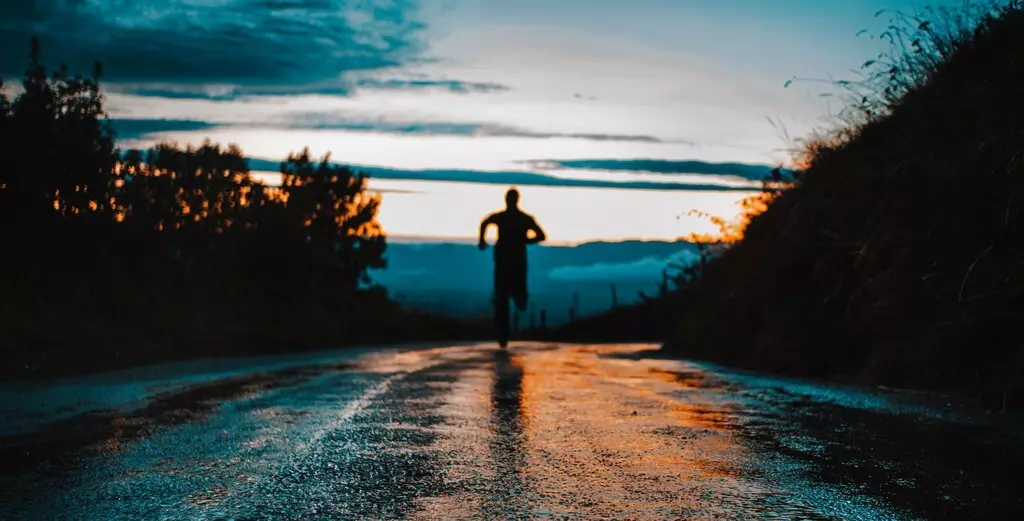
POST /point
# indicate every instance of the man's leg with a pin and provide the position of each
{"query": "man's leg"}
(501, 296)
(519, 297)
(518, 286)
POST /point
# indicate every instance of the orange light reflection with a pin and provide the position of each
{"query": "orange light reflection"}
(629, 428)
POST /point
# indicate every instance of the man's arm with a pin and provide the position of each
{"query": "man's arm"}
(489, 220)
(538, 233)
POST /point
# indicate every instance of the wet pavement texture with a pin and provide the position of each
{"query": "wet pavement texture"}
(472, 432)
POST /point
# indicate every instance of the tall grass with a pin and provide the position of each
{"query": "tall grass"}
(895, 257)
(920, 45)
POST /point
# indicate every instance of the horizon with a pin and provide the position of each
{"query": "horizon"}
(575, 95)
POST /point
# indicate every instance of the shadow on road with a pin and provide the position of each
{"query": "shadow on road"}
(507, 451)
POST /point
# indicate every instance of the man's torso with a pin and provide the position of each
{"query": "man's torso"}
(513, 226)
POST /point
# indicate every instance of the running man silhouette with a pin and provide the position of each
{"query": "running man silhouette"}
(514, 227)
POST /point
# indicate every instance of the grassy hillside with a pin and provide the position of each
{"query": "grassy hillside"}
(898, 257)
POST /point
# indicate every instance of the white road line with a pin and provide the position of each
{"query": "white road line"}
(355, 407)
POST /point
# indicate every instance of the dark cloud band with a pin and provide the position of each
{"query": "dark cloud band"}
(340, 87)
(249, 42)
(328, 121)
(140, 128)
(133, 128)
(513, 178)
(456, 86)
(658, 166)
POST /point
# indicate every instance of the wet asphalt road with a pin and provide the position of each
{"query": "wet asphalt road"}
(470, 432)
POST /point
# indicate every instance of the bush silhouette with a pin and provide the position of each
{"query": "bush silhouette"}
(117, 257)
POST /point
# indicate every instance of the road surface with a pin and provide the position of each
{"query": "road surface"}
(470, 432)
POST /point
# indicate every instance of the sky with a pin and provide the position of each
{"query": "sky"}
(452, 97)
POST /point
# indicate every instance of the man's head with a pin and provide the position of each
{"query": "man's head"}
(512, 198)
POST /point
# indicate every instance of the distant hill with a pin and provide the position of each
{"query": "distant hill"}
(457, 278)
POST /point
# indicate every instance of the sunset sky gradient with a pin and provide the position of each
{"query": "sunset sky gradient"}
(479, 86)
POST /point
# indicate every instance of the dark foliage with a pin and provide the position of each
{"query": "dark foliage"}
(113, 258)
(897, 256)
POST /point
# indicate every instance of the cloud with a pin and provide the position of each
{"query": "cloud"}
(456, 86)
(139, 128)
(318, 120)
(394, 191)
(227, 49)
(328, 121)
(642, 270)
(339, 87)
(227, 92)
(245, 42)
(178, 92)
(516, 132)
(509, 178)
(657, 166)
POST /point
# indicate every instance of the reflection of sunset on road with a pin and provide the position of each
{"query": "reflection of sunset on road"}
(624, 429)
(584, 432)
(539, 431)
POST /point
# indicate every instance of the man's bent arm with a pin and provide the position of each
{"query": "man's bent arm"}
(483, 228)
(538, 233)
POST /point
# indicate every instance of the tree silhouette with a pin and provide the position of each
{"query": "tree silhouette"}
(337, 216)
(175, 240)
(56, 113)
